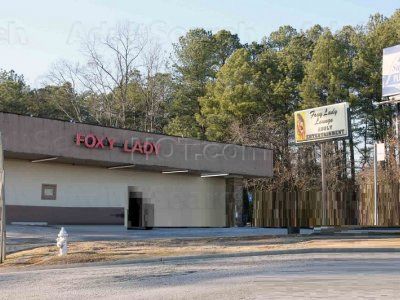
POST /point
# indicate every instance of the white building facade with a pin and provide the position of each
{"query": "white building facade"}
(70, 173)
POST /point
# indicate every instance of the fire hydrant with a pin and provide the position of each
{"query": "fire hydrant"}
(62, 242)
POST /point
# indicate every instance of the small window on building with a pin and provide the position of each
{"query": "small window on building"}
(49, 191)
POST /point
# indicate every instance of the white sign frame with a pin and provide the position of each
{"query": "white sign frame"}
(322, 123)
(391, 71)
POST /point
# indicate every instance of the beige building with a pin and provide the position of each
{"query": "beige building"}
(60, 172)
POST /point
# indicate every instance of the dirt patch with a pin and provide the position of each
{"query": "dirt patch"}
(84, 252)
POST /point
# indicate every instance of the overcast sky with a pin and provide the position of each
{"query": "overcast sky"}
(35, 34)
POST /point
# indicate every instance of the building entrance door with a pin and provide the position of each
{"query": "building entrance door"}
(139, 214)
(135, 209)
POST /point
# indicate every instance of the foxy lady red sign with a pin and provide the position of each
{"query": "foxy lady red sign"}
(92, 141)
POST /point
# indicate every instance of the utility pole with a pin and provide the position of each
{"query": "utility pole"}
(2, 207)
(392, 100)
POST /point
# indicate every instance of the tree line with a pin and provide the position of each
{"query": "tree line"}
(215, 87)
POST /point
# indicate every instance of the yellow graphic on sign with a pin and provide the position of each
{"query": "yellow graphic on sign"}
(300, 126)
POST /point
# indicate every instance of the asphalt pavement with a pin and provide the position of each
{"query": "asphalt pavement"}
(299, 276)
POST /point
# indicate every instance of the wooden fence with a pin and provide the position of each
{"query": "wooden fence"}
(304, 209)
(388, 205)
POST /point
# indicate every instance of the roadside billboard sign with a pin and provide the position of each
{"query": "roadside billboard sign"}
(391, 71)
(322, 123)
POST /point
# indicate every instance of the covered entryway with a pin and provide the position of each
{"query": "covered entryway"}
(140, 215)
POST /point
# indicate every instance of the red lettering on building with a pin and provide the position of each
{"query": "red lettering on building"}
(137, 147)
(79, 138)
(148, 148)
(92, 141)
(157, 148)
(99, 143)
(126, 147)
(111, 143)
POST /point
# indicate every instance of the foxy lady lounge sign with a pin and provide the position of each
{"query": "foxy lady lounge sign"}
(322, 123)
(92, 141)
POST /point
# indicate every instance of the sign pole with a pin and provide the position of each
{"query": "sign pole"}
(397, 133)
(2, 207)
(375, 186)
(324, 188)
(321, 124)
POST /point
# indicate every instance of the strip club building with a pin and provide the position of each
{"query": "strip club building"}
(60, 172)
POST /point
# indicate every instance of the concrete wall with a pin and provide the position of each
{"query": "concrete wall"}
(179, 200)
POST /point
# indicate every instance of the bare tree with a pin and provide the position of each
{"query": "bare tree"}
(112, 65)
(266, 131)
(64, 74)
(154, 86)
(122, 78)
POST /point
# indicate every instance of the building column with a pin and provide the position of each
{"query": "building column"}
(234, 202)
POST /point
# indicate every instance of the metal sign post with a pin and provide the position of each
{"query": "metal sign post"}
(375, 186)
(321, 124)
(2, 207)
(324, 188)
(379, 155)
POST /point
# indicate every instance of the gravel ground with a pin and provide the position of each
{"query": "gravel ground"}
(300, 276)
(107, 251)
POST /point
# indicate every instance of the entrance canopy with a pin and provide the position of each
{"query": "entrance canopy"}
(40, 139)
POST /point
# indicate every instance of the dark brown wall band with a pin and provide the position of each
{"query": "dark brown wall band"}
(66, 215)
